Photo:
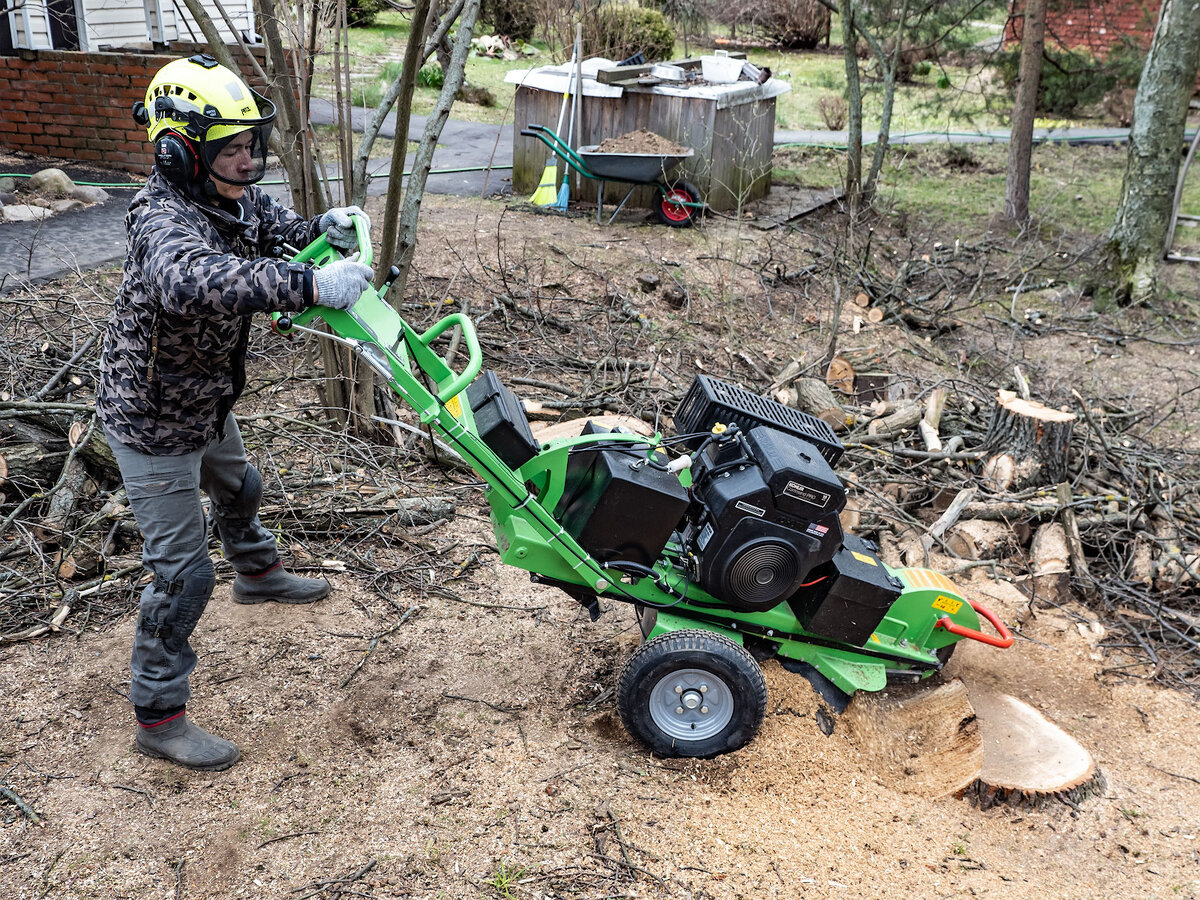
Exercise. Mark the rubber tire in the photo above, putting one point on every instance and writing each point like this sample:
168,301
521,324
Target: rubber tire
692,648
676,219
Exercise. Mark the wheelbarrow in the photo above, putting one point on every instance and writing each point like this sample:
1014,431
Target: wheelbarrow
678,201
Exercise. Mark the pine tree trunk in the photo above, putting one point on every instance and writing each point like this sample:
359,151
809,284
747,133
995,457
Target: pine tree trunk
1135,244
1020,148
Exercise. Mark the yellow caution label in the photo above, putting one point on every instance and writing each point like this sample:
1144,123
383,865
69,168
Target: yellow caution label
455,406
947,604
863,558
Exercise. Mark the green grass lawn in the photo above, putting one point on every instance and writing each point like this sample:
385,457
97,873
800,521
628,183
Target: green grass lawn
1072,189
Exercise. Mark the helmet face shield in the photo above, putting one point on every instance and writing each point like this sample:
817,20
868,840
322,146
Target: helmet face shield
234,152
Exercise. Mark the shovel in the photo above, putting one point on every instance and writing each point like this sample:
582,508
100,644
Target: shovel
546,195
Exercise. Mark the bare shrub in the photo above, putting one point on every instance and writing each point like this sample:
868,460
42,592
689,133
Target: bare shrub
832,108
793,24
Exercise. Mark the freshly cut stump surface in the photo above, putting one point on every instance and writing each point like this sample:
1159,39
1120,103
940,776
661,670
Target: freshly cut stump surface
1025,755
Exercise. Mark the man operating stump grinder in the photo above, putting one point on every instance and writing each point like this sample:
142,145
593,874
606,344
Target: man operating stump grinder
203,258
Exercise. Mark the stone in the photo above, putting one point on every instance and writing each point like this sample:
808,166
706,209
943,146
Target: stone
89,194
52,182
66,205
7,197
7,185
648,282
20,212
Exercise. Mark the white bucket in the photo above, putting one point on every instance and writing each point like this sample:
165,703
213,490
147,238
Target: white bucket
719,68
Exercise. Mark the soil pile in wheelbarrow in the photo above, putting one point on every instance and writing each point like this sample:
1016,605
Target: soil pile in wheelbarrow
641,142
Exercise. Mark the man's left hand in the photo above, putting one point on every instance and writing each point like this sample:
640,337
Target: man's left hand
338,226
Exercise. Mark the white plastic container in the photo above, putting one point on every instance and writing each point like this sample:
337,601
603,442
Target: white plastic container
719,68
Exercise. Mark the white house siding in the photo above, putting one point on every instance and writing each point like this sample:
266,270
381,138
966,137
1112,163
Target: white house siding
30,25
125,23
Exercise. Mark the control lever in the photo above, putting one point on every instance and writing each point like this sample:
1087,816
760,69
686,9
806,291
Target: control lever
392,275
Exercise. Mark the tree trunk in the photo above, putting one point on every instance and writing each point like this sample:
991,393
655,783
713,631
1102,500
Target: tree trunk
1135,243
1020,147
854,112
889,67
406,241
404,86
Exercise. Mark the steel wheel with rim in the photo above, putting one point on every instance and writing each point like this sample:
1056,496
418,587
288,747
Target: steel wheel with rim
692,693
670,207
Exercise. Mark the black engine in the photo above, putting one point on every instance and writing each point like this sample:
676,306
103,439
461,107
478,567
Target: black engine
764,516
760,522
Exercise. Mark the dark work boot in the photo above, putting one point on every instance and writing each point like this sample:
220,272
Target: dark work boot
179,741
278,585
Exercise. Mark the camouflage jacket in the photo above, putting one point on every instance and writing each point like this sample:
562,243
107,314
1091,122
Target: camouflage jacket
175,347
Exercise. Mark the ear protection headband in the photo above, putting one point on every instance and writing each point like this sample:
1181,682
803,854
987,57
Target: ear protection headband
174,154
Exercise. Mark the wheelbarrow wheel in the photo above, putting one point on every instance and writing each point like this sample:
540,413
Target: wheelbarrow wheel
692,693
670,207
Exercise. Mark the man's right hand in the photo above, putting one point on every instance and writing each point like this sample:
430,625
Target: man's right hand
341,283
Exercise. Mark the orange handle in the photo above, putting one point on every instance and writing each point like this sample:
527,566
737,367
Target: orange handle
1004,641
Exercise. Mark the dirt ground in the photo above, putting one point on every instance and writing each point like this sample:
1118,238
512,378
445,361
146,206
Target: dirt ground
463,742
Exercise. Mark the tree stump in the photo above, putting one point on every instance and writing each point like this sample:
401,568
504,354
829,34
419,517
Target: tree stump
1035,436
1026,757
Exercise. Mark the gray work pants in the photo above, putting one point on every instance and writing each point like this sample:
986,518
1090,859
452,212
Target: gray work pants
164,494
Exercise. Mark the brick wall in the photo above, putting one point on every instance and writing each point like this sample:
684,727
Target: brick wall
1093,25
74,105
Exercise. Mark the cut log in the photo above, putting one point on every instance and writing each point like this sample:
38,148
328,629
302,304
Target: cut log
573,427
1141,563
787,375
1050,562
840,375
74,484
1070,525
861,299
906,417
815,397
1034,435
981,539
921,739
30,467
1027,759
875,315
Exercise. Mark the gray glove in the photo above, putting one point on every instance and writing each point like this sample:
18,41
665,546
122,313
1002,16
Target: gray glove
341,283
339,227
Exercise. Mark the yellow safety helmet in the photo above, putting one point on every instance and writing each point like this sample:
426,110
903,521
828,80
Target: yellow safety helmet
193,110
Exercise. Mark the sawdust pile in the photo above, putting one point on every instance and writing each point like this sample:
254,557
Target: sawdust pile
641,142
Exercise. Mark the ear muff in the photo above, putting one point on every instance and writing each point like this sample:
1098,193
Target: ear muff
176,159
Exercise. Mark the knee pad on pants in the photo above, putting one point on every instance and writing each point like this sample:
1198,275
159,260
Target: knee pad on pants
245,503
182,603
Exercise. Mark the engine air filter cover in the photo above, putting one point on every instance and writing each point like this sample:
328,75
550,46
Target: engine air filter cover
709,401
801,481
